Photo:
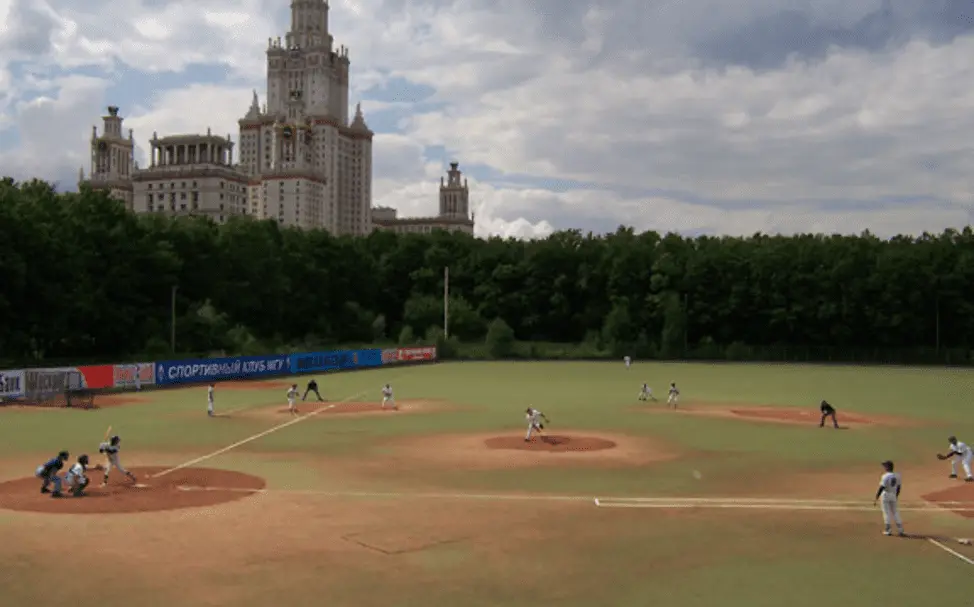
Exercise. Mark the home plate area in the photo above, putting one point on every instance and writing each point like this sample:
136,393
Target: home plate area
149,493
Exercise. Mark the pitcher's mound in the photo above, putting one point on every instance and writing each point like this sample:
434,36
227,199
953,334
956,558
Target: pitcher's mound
552,443
180,489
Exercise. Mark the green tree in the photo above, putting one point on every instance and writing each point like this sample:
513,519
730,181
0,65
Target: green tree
500,339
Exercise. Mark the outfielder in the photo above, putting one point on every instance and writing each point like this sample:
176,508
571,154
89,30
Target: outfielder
674,398
959,452
110,449
827,412
292,396
209,400
534,418
646,394
49,473
77,479
890,485
388,398
628,360
138,376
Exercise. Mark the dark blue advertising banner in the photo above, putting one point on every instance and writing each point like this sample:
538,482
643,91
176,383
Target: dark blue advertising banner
226,368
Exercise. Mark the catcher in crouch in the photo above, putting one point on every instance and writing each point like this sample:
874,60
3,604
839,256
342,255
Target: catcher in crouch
110,449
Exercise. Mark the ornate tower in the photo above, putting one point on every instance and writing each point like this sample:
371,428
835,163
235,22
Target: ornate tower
112,158
454,194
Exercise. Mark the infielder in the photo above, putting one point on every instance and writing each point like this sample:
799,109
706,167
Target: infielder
959,452
49,473
77,478
827,412
628,361
292,396
674,398
388,398
646,394
209,400
890,485
110,449
534,418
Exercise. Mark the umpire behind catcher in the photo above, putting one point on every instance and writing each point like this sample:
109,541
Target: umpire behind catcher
312,388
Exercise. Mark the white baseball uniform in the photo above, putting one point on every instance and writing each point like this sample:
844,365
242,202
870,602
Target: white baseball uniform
534,422
387,396
209,400
964,456
890,485
628,361
292,395
674,397
138,379
112,460
645,393
75,477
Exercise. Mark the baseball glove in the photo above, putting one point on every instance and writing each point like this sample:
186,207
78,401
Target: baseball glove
941,457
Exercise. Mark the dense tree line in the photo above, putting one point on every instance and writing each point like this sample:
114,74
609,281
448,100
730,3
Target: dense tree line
82,279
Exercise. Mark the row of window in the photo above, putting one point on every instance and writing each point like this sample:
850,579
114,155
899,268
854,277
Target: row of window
172,186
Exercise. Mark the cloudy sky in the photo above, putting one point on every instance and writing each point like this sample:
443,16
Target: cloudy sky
696,116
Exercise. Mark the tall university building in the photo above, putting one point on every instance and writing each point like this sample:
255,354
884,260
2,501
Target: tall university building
302,159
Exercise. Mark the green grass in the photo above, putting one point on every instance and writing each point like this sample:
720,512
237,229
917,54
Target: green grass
586,556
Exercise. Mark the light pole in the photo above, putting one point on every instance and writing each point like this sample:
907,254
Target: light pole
172,323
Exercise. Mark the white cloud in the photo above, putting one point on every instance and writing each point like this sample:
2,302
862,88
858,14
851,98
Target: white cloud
703,101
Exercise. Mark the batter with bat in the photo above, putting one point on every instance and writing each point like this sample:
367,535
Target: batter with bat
110,449
959,452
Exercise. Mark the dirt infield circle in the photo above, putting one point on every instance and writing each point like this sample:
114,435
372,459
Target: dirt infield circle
795,415
958,498
552,443
182,489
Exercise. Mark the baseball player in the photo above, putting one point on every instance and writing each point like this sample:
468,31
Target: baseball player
646,394
49,473
292,396
110,449
674,398
827,412
890,485
628,361
534,418
138,376
209,400
959,452
312,388
77,479
388,398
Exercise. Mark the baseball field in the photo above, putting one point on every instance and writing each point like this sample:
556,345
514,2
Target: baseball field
735,498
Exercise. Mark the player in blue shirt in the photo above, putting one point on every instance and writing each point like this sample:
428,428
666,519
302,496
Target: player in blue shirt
49,473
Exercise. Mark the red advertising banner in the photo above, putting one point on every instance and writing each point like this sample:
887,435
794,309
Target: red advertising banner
420,353
97,376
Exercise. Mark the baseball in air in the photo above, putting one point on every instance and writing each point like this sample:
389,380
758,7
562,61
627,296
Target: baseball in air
697,475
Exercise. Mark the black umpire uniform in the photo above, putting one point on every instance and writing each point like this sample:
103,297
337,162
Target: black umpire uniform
312,388
828,412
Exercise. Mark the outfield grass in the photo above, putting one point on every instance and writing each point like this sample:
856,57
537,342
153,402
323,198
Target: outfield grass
442,516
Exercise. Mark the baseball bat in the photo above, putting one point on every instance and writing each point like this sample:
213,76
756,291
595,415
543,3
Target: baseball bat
107,433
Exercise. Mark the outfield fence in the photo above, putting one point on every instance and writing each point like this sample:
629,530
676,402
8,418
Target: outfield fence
76,386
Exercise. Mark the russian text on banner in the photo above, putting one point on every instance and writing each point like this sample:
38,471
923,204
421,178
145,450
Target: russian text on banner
304,363
224,368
